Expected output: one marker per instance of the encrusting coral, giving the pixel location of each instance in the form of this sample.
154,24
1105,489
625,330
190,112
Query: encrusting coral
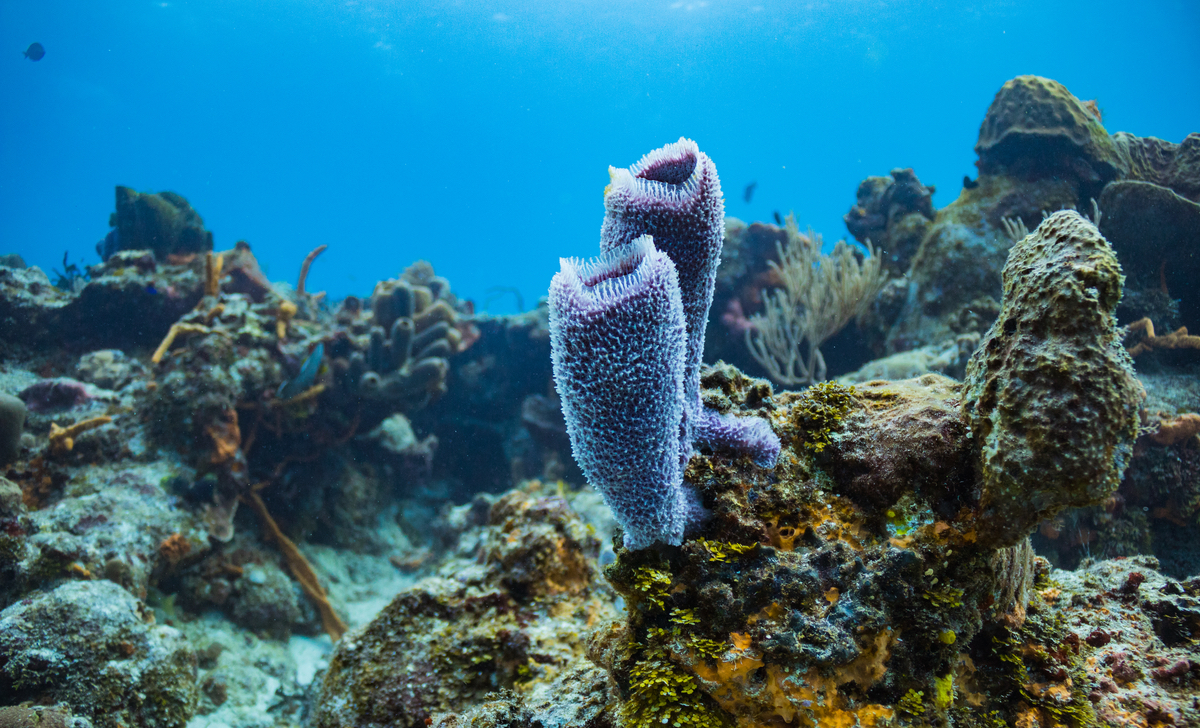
627,337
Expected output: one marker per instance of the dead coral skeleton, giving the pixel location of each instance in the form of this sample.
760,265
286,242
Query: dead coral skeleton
299,566
62,439
820,295
1177,339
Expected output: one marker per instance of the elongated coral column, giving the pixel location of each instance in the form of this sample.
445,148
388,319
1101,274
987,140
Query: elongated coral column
619,340
674,195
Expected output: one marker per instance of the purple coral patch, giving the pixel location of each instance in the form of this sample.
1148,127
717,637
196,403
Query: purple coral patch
54,394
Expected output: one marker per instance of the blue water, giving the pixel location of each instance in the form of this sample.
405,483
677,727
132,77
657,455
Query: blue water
477,134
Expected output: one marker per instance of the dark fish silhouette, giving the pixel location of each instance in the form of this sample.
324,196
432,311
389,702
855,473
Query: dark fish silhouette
969,183
749,193
35,52
306,377
778,218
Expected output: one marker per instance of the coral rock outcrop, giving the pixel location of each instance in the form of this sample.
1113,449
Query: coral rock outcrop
1050,394
514,619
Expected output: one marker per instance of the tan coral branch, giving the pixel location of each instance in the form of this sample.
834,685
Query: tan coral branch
1177,339
175,330
62,439
299,566
212,273
1177,429
308,261
287,310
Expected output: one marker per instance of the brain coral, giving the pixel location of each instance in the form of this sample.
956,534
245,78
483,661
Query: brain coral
1050,394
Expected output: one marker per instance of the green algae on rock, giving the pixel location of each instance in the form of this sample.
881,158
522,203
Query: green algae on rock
515,619
89,644
808,598
1050,394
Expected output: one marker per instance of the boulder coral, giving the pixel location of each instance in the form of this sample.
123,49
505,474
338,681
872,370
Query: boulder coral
1040,149
1050,394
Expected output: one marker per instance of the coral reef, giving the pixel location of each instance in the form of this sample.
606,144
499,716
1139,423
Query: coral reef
893,214
1156,235
412,331
819,294
1050,396
163,223
12,426
1040,150
788,605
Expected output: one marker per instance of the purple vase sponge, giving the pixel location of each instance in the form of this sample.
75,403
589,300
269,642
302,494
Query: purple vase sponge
619,338
674,195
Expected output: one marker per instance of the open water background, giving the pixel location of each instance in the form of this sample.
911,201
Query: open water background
478,134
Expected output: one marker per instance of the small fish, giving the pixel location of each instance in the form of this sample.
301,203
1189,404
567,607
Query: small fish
306,377
778,217
749,193
35,52
968,183
151,289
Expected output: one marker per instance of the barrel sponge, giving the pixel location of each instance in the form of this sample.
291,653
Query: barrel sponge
618,338
1050,395
673,194
12,425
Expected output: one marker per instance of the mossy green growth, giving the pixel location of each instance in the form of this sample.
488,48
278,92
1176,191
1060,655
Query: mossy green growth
819,412
684,616
653,584
721,551
946,597
912,703
662,694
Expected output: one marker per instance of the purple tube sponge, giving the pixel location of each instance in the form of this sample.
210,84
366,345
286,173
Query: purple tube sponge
619,337
627,336
674,195
750,436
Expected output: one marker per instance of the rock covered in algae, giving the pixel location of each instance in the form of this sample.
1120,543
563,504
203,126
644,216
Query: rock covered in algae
163,222
89,645
1156,234
513,617
1036,121
805,599
1040,149
1050,396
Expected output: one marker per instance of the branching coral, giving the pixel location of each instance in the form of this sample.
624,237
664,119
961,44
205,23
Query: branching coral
819,295
1178,339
